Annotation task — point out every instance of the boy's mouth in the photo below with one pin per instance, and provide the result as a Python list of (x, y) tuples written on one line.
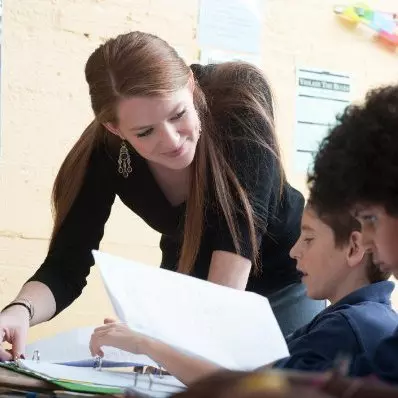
[(302, 274)]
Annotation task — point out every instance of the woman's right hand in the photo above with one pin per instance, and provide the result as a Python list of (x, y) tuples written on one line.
[(14, 326)]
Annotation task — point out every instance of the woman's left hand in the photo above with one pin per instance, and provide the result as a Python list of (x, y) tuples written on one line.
[(117, 335)]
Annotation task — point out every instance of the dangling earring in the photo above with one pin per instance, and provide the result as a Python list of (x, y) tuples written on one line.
[(124, 160)]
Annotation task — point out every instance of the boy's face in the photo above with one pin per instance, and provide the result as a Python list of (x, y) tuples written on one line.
[(324, 266), (380, 235)]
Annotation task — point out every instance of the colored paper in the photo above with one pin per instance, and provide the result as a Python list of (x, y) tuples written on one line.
[(384, 24)]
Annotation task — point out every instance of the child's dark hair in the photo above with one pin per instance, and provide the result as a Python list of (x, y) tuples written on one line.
[(235, 384), (357, 163), (343, 224)]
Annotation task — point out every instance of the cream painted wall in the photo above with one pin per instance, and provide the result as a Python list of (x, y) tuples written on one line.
[(45, 107)]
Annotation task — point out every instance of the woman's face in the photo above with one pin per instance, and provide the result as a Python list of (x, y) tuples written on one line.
[(163, 130)]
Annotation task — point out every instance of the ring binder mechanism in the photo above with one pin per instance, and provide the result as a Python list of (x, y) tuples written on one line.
[(98, 363), (36, 356), (100, 376)]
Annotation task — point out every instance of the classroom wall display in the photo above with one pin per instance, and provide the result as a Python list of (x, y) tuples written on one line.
[(230, 30), (320, 96), (383, 24)]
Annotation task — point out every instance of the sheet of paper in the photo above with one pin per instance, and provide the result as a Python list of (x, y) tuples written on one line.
[(73, 345), (234, 25), (211, 56), (157, 386), (321, 95), (232, 328)]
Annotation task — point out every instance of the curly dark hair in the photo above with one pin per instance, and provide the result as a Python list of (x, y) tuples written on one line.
[(357, 162), (284, 384), (238, 384)]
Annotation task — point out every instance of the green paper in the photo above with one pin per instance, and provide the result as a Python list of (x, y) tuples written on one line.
[(70, 386)]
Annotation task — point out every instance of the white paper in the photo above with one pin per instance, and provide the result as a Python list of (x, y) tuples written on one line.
[(321, 95), (73, 345), (234, 329), (233, 25), (156, 386)]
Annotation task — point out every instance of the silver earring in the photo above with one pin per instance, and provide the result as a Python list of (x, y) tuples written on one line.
[(124, 160)]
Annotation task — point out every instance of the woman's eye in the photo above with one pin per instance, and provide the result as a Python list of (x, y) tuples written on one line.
[(179, 115), (144, 133)]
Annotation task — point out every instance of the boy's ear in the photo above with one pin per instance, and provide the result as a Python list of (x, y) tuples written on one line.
[(356, 250)]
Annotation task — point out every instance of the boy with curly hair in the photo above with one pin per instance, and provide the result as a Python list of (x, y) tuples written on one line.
[(356, 170)]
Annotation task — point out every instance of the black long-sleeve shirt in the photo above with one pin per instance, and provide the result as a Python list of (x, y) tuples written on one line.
[(69, 260)]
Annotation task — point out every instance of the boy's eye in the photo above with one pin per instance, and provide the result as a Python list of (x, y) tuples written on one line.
[(368, 218)]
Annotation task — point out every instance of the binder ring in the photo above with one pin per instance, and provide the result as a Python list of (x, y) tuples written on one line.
[(98, 363), (150, 381), (36, 356)]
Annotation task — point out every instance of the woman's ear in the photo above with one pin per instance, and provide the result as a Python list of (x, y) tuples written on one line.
[(191, 82), (356, 250), (112, 129)]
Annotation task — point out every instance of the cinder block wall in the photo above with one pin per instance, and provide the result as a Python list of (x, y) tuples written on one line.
[(45, 107)]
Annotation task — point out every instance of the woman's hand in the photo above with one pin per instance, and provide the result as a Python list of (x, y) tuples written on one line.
[(14, 326), (117, 335)]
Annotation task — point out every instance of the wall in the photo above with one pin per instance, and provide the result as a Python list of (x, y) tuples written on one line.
[(45, 107)]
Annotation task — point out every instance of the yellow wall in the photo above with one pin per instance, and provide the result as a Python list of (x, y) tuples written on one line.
[(45, 107)]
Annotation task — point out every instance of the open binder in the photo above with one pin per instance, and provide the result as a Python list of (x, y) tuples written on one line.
[(99, 377), (233, 329)]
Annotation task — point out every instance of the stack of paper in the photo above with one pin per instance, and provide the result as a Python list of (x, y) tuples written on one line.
[(95, 381)]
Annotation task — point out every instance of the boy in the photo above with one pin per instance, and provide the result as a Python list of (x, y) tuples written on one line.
[(356, 169), (334, 267)]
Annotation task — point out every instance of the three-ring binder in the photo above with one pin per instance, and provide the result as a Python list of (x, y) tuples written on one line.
[(148, 381)]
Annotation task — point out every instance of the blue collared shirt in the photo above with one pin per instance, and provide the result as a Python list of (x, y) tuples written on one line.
[(353, 326), (384, 363)]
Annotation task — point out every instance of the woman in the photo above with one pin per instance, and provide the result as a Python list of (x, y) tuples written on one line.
[(193, 152)]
